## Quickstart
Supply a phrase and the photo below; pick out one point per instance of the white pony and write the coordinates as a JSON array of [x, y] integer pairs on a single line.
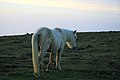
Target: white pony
[[53, 41]]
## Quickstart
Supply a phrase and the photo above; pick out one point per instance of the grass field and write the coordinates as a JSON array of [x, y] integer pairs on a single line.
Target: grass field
[[97, 57]]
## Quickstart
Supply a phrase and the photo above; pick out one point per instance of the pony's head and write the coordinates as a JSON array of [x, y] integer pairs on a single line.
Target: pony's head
[[72, 40]]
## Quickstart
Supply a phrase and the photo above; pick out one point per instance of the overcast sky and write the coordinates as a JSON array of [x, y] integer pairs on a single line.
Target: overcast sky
[[25, 16]]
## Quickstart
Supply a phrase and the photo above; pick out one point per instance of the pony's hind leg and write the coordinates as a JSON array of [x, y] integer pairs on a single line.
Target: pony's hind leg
[[42, 65], [49, 63], [58, 58], [51, 60], [41, 59], [58, 61]]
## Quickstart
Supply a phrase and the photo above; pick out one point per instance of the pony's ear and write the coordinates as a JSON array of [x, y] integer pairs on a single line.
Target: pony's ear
[[75, 31]]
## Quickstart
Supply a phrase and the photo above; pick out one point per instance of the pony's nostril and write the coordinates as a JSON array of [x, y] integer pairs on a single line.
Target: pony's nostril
[[74, 48]]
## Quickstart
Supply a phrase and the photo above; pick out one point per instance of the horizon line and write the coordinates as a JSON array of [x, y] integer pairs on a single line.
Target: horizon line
[[29, 33]]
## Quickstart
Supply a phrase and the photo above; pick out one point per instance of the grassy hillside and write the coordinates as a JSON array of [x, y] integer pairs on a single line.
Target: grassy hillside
[[97, 57]]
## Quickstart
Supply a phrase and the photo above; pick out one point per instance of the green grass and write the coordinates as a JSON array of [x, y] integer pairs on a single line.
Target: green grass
[[97, 57]]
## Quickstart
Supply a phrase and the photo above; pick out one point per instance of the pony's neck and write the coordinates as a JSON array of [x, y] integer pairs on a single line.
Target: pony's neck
[[67, 36]]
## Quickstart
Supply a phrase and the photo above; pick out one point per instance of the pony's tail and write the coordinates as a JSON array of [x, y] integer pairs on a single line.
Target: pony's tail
[[35, 55]]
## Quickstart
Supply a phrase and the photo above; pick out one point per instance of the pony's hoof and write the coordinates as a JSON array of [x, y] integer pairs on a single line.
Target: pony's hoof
[[47, 70], [60, 69], [43, 70], [36, 77]]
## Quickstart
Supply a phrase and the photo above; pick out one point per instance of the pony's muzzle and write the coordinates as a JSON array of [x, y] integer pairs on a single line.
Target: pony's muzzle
[[74, 48]]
